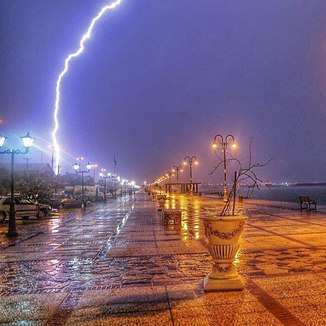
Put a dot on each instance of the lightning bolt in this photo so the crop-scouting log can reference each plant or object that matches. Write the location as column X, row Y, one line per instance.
column 71, row 56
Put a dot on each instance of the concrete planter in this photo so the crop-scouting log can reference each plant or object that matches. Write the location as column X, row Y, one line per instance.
column 161, row 201
column 223, row 234
column 171, row 217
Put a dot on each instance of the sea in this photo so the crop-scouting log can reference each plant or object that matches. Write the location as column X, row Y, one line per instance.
column 280, row 193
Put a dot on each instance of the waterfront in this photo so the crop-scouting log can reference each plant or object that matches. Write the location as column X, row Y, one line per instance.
column 116, row 264
column 282, row 193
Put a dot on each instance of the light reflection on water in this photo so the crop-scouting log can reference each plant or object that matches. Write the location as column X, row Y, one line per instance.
column 190, row 220
column 283, row 193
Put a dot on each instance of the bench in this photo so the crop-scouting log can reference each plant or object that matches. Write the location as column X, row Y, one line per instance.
column 307, row 204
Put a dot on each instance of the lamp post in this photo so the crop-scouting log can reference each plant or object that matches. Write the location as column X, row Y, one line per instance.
column 121, row 184
column 94, row 166
column 115, row 180
column 51, row 147
column 78, row 169
column 177, row 169
column 222, row 143
column 27, row 143
column 190, row 160
column 105, row 175
column 169, row 175
column 126, row 186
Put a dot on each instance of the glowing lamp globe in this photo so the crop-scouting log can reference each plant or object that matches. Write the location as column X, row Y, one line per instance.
column 234, row 145
column 89, row 166
column 2, row 140
column 184, row 163
column 76, row 166
column 27, row 141
column 214, row 144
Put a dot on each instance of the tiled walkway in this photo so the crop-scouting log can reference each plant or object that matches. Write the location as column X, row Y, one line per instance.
column 118, row 265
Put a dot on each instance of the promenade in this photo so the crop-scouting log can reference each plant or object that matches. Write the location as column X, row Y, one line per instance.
column 116, row 264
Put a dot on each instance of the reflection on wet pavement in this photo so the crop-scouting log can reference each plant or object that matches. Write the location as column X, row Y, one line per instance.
column 118, row 265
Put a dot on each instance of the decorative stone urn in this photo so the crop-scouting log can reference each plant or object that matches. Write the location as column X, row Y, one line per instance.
column 154, row 196
column 171, row 216
column 223, row 233
column 161, row 201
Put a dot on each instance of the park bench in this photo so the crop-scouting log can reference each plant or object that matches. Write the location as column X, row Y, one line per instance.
column 307, row 204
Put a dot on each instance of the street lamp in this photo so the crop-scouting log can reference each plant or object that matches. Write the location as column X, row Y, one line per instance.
column 125, row 183
column 51, row 147
column 115, row 180
column 78, row 169
column 177, row 169
column 105, row 175
column 221, row 143
column 122, row 183
column 94, row 166
column 169, row 175
column 190, row 160
column 27, row 143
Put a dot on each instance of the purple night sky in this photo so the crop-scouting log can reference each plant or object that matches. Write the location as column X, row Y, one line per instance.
column 159, row 79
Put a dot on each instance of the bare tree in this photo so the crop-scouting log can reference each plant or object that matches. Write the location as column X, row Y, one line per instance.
column 245, row 175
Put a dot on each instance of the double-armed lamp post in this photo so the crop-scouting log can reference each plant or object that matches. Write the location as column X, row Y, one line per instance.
column 115, row 179
column 94, row 167
column 190, row 161
column 79, row 170
column 169, row 175
column 27, row 143
column 125, row 183
column 221, row 143
column 177, row 169
column 105, row 175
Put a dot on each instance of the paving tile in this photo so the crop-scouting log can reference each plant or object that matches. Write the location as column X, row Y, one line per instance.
column 318, row 239
column 269, row 242
column 31, row 307
column 127, row 269
column 188, row 295
column 309, row 314
column 157, row 318
column 293, row 286
column 26, row 323
column 224, row 314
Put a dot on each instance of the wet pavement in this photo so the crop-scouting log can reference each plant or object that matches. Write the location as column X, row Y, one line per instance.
column 116, row 264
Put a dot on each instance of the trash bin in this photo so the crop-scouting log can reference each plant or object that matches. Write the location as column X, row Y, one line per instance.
column 240, row 199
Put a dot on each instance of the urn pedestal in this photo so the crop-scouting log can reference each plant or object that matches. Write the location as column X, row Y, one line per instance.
column 161, row 201
column 223, row 234
column 171, row 217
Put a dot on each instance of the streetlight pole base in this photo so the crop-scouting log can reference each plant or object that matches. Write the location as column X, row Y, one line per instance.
column 12, row 234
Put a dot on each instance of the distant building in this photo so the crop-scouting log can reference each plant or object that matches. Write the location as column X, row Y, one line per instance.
column 30, row 169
